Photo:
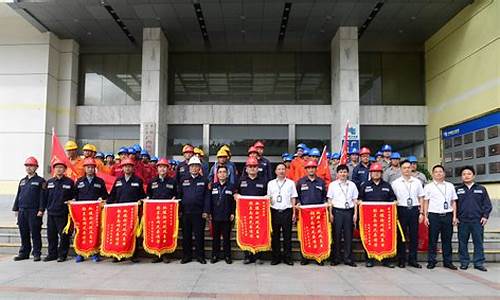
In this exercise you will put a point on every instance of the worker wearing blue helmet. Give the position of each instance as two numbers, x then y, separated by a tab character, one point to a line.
353	160
394	171
334	162
386	156
379	157
415	173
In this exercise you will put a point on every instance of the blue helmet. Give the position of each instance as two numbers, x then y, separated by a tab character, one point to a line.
123	150
328	154
137	148
412	159
99	155
378	154
301	146
288	158
131	150
154	158
284	154
172	162
386	148
395	155
372	159
306	151
106	154
144	153
336	155
354	151
315	152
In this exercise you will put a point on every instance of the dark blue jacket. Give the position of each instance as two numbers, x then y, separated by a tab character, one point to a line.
311	191
57	193
360	174
181	171
221	204
265	169
29	193
381	192
159	188
85	190
127	191
193	192
473	204
252	187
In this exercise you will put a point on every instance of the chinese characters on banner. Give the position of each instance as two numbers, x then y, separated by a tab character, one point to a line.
160	223
314	232
86	216
377	222
119	227
253	223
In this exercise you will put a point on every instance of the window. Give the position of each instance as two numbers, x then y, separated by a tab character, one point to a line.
457	156
457	171
448	157
110	79
468	138
494	150
407	140
480	152
479	136
314	136
448	144
108	138
469	154
449	172
492	132
480	169
494	167
457	141
241	137
179	135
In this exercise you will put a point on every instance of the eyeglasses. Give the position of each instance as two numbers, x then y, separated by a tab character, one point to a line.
252	167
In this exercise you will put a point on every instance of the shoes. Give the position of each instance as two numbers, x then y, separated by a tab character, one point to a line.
388	265
185	260
481	268
201	260
322	263
304	262
36	258
115	260
20	257
156	260
415	265
214	260
96	258
288	261
259	261
334	263
369	264
247	261
450	266
79	259
350	263
134	259
275	262
431	266
464	267
166	260
61	259
402	265
228	260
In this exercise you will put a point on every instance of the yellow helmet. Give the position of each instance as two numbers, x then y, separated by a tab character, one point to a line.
222	152
227	149
70	145
89	147
199	151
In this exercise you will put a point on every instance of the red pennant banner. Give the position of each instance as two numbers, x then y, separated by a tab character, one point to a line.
160	225
378	228
423	237
119	226
253	223
314	232
86	217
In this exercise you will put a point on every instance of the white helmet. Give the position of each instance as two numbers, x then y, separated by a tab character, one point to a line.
194	161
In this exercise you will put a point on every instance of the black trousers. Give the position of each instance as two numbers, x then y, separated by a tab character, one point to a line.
58	240
221	228
440	224
342	229
408	218
193	224
281	222
30	227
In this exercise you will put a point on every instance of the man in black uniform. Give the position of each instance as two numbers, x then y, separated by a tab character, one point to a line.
474	208
311	190
88	188
251	184
162	187
193	192
27	207
182	169
221	212
60	189
377	190
264	163
127	188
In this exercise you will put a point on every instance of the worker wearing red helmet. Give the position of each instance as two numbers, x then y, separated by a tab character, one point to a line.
265	167
27	203
376	189
361	172
251	183
311	190
60	189
183	168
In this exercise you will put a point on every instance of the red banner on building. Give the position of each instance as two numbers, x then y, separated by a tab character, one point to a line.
86	217
160	225
253	223
119	226
378	228
314	232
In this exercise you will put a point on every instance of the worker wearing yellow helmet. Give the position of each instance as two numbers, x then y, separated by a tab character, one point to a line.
90	150
198	152
223	160
71	149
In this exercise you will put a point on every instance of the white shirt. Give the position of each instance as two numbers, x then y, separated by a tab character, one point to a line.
281	193
408	189
439	193
339	193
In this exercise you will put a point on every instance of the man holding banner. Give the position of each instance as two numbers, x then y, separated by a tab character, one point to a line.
283	195
376	190
342	196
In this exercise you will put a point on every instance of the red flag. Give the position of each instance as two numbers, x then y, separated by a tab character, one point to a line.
345	146
323	168
109	180
59	154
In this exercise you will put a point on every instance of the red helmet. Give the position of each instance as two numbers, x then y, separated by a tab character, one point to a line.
31	161
187	148
311	164
89	161
252	149
251	161
364	150
127	161
162	162
376	167
258	144
57	161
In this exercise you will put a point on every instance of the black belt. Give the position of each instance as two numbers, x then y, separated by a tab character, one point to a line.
440	214
281	210
343	209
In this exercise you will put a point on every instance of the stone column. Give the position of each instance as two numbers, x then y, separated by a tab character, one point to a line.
154	91
345	86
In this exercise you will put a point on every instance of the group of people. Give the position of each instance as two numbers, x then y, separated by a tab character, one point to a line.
210	194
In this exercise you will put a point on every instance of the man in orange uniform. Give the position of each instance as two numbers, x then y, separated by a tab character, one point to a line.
72	153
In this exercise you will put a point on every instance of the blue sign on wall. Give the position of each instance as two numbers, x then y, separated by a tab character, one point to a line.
470	126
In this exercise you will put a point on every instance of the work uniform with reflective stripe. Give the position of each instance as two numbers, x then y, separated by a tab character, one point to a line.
90	188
